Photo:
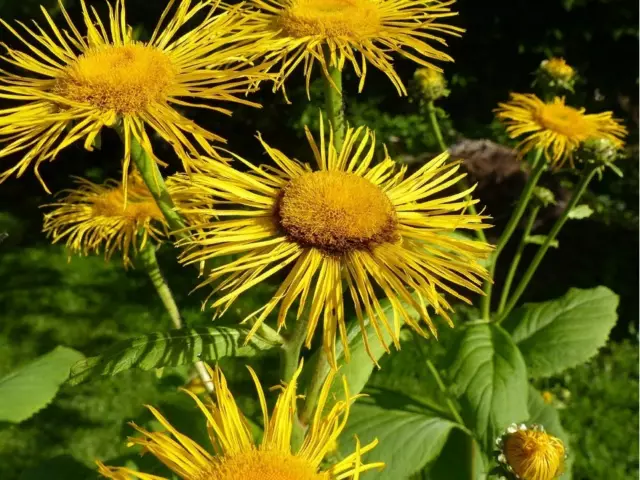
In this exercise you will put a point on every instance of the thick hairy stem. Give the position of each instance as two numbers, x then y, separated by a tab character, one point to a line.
551	236
334	105
537	168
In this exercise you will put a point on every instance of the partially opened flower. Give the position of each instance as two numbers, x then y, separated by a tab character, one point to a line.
529	453
236	454
348	224
430	84
554	127
358	32
96	218
556	74
71	83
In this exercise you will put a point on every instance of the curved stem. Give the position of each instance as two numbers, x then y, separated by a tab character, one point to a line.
147	256
462	184
538	167
334	105
320	372
551	236
516	258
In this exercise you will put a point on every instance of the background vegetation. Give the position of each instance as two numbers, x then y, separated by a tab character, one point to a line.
87	304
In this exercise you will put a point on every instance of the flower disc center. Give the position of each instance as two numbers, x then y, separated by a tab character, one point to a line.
564	120
121	78
330	18
265	465
534	455
336	212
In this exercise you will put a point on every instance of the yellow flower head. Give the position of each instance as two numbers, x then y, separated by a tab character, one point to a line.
238	456
529	453
72	84
431	84
548	397
558	68
554	127
359	32
94	218
349	224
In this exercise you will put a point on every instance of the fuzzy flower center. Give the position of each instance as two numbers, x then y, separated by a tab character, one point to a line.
336	212
264	465
330	18
534	455
564	120
125	79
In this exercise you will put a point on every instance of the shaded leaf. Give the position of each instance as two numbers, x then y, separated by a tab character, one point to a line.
62	467
564	332
175	347
540	239
33	386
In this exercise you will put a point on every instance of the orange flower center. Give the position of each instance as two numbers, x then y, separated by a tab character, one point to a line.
564	120
264	465
336	212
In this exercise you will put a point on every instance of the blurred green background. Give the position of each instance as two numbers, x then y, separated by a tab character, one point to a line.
87	304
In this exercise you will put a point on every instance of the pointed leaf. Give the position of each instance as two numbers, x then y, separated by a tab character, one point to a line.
175	347
30	388
564	332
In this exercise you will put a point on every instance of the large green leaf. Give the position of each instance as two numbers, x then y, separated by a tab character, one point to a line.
175	347
547	416
489	376
564	332
410	433
29	389
454	460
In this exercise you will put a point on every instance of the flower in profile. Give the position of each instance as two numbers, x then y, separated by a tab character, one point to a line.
347	224
71	84
237	455
358	32
94	218
529	453
554	127
431	84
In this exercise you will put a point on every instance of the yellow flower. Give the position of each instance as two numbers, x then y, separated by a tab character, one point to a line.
554	127
431	84
72	85
95	217
348	223
558	68
548	397
530	453
237	455
353	31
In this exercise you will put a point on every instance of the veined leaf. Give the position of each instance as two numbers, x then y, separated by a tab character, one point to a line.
564	332
175	347
32	387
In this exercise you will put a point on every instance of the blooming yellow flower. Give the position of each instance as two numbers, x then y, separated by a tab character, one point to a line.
359	32
94	218
558	68
348	223
237	455
554	127
73	84
529	453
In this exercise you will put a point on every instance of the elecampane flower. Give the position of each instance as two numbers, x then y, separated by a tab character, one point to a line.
237	455
93	218
347	224
359	32
558	68
554	127
72	84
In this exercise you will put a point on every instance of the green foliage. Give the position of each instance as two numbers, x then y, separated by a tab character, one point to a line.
411	433
30	388
489	376
580	211
172	348
565	332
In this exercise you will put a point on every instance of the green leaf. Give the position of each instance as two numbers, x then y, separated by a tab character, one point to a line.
580	211
490	378
454	460
410	433
547	416
175	347
32	387
564	332
540	239
62	467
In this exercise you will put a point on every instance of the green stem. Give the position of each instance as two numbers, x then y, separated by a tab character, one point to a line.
551	236
334	105
320	372
517	257
538	167
147	256
462	184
